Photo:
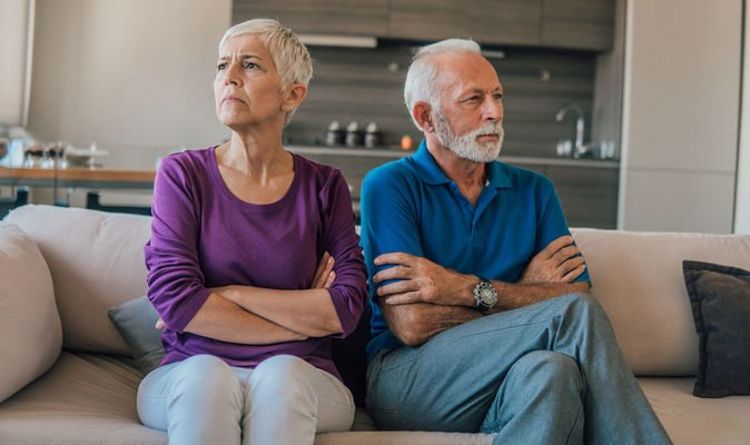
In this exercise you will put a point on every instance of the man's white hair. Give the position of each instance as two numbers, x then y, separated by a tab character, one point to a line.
292	60
420	79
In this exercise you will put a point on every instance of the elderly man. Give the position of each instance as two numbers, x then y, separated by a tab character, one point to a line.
480	320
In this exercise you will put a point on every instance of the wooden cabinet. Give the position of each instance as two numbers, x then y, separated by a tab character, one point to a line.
587	189
588	195
344	17
427	19
579	24
486	21
505	21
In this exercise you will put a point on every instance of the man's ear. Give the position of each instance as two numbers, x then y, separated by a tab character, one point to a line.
422	114
294	97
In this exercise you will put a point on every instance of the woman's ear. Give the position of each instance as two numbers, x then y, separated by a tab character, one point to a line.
293	97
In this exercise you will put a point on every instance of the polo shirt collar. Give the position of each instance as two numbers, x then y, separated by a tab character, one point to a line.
430	172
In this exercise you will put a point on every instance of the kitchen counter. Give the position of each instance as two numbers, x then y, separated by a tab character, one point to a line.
77	177
587	187
394	153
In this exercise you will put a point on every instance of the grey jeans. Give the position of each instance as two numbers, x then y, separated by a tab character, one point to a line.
549	373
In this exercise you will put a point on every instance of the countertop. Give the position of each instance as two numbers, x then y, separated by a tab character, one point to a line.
395	153
77	177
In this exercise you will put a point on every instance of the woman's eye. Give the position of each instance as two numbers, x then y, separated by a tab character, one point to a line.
221	66
250	65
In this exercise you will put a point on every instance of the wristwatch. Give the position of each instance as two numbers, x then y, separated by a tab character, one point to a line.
485	295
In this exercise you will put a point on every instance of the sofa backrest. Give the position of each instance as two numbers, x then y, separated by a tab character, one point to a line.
638	279
96	262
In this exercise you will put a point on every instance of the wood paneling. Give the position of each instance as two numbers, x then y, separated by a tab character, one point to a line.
357	85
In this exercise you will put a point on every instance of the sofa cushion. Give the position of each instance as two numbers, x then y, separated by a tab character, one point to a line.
720	298
96	262
135	320
637	277
30	330
91	399
691	420
84	399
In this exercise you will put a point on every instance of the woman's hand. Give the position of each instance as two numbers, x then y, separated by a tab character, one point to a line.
324	278
324	274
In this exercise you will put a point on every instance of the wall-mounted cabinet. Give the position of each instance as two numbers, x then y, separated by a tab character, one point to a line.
363	17
576	24
579	24
427	19
505	21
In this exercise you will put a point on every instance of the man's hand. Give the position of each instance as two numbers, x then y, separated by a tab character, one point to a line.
559	262
422	281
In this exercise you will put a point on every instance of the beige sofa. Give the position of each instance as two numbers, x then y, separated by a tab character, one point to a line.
57	295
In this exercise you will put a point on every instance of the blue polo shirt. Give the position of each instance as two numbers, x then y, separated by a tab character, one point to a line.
411	206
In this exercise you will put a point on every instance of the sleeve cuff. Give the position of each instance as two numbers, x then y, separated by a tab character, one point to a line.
182	317
346	309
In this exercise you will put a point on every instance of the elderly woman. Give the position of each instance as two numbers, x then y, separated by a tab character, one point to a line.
253	266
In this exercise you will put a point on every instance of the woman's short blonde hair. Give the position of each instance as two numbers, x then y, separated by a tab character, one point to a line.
292	60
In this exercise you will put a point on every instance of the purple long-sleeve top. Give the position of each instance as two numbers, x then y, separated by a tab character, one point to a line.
203	236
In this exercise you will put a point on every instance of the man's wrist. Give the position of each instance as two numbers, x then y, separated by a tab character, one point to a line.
466	290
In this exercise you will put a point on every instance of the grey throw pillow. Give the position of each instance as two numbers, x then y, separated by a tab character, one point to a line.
135	320
720	300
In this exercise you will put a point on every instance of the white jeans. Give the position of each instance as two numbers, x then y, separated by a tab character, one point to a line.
284	400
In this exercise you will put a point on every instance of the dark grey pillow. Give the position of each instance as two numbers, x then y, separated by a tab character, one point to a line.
135	320
720	299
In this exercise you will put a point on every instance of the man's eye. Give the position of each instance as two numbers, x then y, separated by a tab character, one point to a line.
474	99
498	96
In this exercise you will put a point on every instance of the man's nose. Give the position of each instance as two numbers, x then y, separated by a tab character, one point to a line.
493	110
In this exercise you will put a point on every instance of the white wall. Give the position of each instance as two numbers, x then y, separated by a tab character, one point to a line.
15	48
742	203
681	111
134	76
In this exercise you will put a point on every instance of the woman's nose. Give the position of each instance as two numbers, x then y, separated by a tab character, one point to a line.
231	76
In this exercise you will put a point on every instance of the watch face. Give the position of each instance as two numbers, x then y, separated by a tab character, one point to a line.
487	294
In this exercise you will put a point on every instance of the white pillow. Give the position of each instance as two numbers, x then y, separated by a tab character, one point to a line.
96	262
30	327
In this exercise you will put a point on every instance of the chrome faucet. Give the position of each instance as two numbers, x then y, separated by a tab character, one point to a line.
578	148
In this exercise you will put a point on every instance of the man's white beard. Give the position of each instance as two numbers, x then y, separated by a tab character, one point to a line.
466	146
